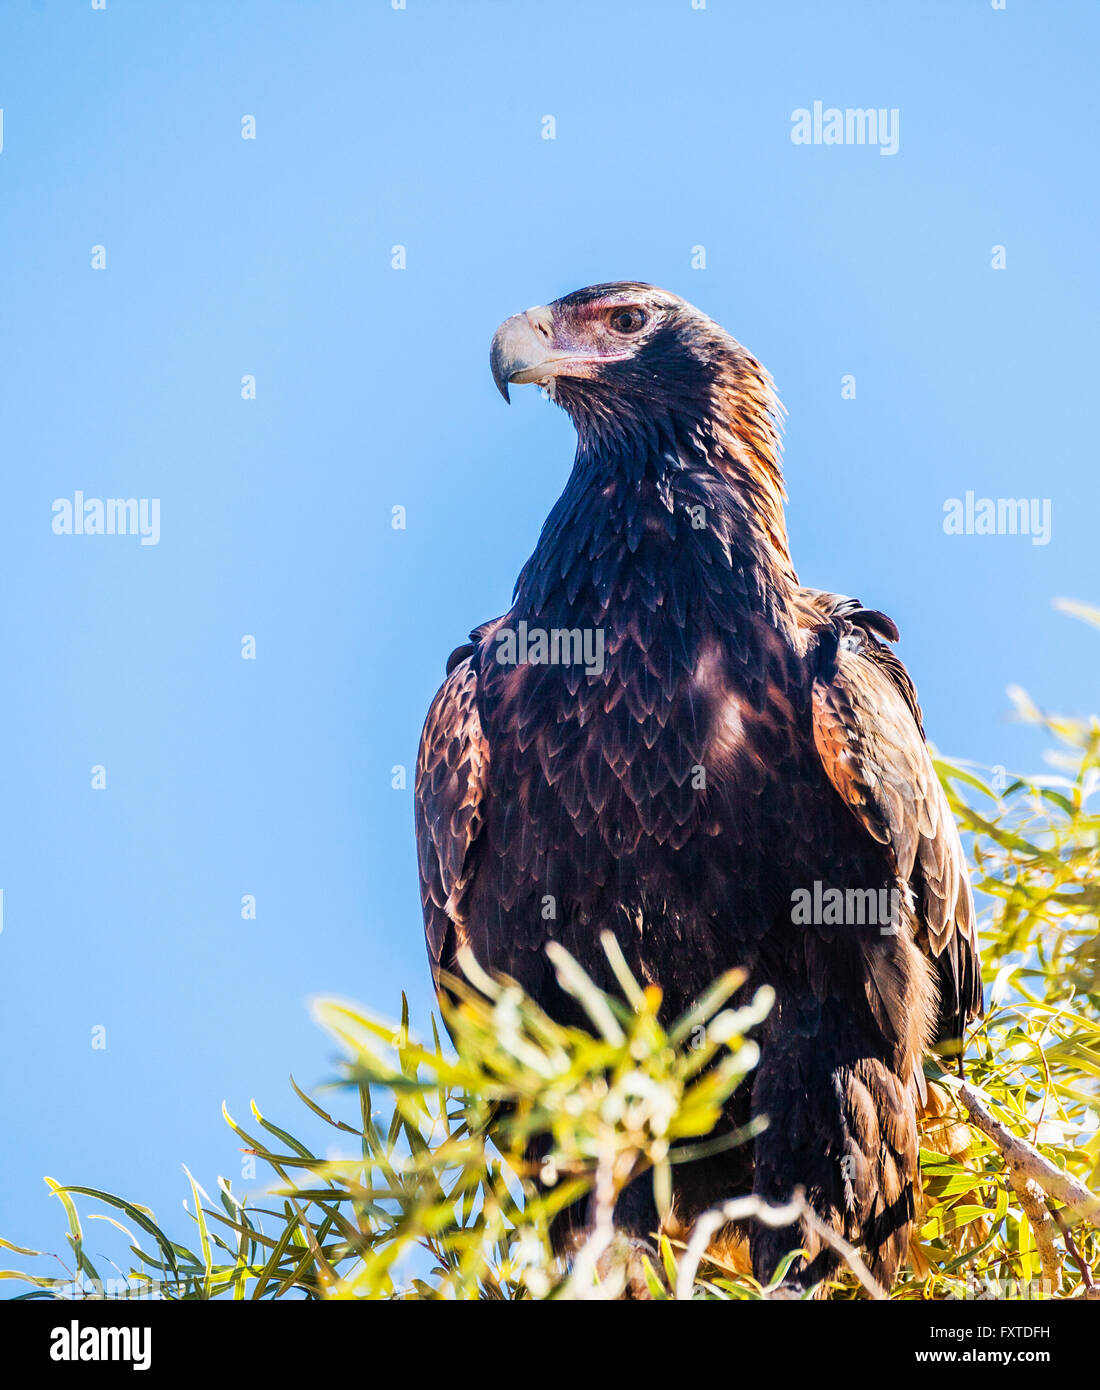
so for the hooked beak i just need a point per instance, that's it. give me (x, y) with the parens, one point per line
(523, 349)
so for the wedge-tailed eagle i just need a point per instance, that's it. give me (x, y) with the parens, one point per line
(710, 753)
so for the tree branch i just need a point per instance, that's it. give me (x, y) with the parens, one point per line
(1026, 1164)
(1034, 1204)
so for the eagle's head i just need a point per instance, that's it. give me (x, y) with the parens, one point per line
(613, 354)
(653, 384)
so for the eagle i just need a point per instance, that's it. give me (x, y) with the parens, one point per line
(670, 738)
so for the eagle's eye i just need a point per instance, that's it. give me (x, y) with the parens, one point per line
(629, 320)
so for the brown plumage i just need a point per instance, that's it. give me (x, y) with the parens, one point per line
(742, 745)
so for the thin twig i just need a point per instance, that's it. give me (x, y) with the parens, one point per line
(752, 1208)
(583, 1281)
(1091, 1290)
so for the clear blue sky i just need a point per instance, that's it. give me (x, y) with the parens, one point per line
(272, 257)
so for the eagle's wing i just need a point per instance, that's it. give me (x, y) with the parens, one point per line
(868, 732)
(451, 773)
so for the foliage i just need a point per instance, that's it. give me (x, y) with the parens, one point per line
(1035, 843)
(431, 1207)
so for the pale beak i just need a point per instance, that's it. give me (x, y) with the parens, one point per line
(523, 349)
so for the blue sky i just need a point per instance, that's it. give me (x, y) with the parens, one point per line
(272, 257)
